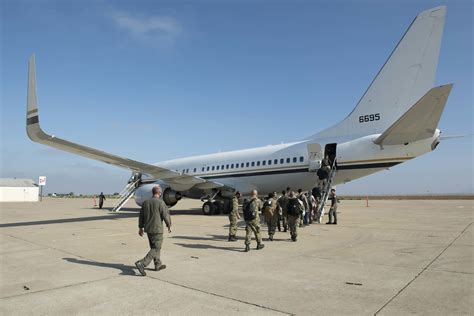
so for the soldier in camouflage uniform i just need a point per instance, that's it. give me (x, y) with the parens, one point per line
(294, 211)
(271, 215)
(283, 204)
(253, 225)
(233, 217)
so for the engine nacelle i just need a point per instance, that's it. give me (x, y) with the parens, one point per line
(169, 196)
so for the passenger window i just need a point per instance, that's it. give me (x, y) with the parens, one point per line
(258, 163)
(275, 162)
(264, 163)
(222, 167)
(227, 166)
(301, 159)
(247, 164)
(194, 170)
(269, 162)
(187, 170)
(202, 169)
(253, 163)
(212, 168)
(282, 160)
(232, 166)
(236, 165)
(242, 165)
(217, 168)
(207, 168)
(183, 171)
(294, 159)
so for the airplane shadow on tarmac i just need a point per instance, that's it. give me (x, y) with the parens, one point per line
(112, 216)
(125, 270)
(205, 246)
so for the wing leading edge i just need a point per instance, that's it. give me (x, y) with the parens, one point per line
(176, 180)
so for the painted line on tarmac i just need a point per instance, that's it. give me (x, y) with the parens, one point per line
(221, 296)
(424, 269)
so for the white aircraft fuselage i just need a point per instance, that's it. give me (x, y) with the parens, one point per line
(356, 158)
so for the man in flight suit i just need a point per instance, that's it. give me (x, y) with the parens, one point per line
(253, 208)
(233, 217)
(152, 214)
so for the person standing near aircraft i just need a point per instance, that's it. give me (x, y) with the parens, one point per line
(294, 212)
(304, 201)
(283, 203)
(233, 217)
(251, 216)
(101, 199)
(333, 209)
(152, 214)
(271, 215)
(312, 207)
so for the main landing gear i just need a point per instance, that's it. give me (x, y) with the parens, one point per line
(216, 205)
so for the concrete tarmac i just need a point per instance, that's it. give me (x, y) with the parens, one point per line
(63, 256)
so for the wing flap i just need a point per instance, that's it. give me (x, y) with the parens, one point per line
(420, 121)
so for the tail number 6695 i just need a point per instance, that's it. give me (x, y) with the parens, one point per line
(369, 118)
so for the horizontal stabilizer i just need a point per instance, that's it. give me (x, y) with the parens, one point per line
(420, 121)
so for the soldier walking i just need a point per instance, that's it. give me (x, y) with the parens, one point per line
(152, 214)
(233, 217)
(271, 215)
(251, 217)
(294, 211)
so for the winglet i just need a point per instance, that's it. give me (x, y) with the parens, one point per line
(32, 106)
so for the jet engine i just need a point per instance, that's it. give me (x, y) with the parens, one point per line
(171, 197)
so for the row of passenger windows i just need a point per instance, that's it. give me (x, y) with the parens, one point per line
(259, 163)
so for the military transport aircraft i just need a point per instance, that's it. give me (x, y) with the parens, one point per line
(395, 120)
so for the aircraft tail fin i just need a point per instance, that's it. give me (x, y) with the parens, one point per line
(420, 121)
(405, 77)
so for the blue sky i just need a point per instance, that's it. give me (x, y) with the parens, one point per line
(153, 80)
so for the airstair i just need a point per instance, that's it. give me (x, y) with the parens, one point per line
(327, 189)
(127, 193)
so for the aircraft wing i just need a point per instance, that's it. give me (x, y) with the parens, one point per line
(420, 121)
(176, 180)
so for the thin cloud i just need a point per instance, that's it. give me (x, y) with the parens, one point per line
(154, 29)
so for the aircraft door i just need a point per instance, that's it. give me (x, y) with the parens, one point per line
(315, 155)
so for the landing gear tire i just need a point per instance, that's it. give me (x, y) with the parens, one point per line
(217, 207)
(208, 208)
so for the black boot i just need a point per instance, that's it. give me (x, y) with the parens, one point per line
(270, 238)
(233, 238)
(247, 248)
(260, 246)
(230, 238)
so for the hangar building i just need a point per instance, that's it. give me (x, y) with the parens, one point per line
(18, 190)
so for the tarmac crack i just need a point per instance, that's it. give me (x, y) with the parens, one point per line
(222, 296)
(424, 269)
(60, 287)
